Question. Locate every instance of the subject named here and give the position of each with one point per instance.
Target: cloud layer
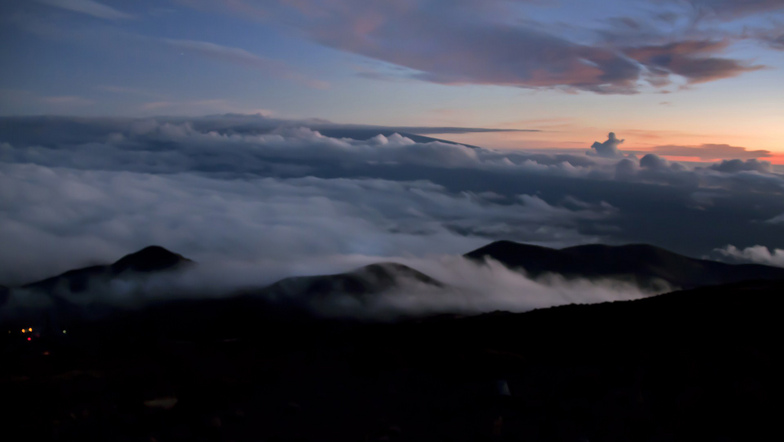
(707, 152)
(75, 216)
(282, 195)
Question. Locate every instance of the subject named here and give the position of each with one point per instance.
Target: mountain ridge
(359, 283)
(150, 259)
(646, 265)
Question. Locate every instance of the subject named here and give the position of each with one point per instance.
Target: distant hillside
(645, 265)
(148, 260)
(360, 283)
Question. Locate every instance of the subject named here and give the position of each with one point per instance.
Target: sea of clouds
(264, 199)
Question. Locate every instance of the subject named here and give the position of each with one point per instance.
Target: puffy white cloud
(757, 254)
(652, 161)
(608, 148)
(655, 162)
(751, 165)
(732, 175)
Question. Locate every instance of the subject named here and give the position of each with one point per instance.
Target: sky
(703, 78)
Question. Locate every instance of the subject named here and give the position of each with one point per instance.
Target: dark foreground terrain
(696, 365)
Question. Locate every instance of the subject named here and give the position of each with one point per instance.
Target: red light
(29, 339)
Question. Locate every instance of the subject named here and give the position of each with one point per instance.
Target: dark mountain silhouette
(367, 280)
(648, 266)
(295, 296)
(148, 260)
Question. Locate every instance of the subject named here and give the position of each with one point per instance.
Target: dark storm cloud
(236, 189)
